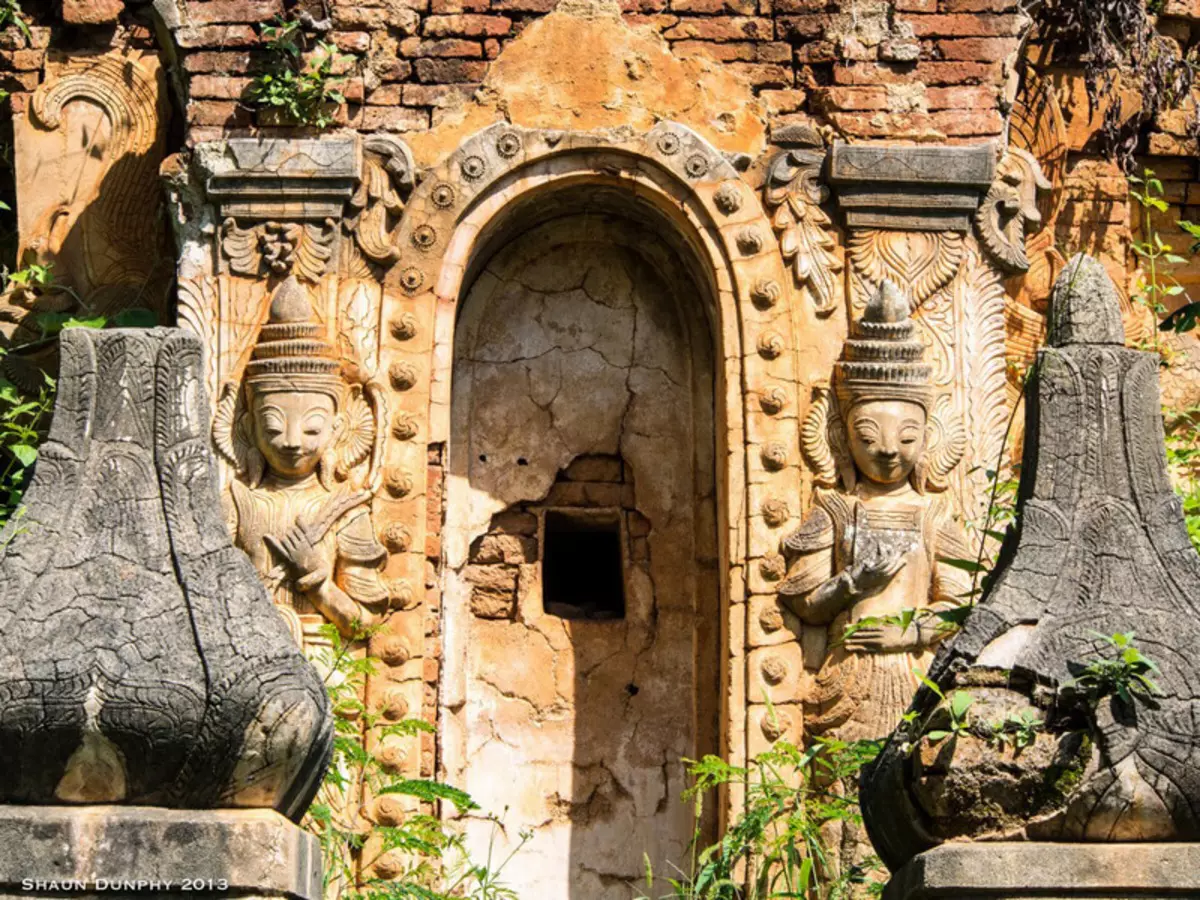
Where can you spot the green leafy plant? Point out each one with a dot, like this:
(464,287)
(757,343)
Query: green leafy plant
(1156,256)
(297,80)
(435,864)
(23,420)
(25,412)
(776,847)
(1018,731)
(1183,464)
(1125,674)
(12,14)
(958,706)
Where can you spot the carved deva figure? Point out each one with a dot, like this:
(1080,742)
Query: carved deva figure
(299,436)
(871,546)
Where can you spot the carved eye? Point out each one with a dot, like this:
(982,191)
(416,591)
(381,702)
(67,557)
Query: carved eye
(273,424)
(314,423)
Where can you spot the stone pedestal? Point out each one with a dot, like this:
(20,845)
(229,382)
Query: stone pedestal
(123,851)
(1005,871)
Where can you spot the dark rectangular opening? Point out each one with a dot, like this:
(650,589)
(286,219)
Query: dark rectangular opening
(582,576)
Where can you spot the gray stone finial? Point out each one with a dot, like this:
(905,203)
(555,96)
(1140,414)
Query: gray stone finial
(1100,549)
(1085,307)
(141,661)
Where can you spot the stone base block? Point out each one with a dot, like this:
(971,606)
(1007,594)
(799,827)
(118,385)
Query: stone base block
(1005,871)
(123,851)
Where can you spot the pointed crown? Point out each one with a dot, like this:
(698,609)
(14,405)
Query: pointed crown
(883,359)
(291,354)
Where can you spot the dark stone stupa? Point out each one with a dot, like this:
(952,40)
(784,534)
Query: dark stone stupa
(1100,549)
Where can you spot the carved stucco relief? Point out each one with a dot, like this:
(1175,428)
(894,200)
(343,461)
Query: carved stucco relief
(380,264)
(284,248)
(87,152)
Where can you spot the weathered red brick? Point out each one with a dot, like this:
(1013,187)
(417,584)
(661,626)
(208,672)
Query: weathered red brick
(962,98)
(386,95)
(218,112)
(210,61)
(764,75)
(23,60)
(794,6)
(217,87)
(967,122)
(816,52)
(865,97)
(216,37)
(993,6)
(975,49)
(466,25)
(658,22)
(450,47)
(715,7)
(916,6)
(932,73)
(449,71)
(391,69)
(723,28)
(629,7)
(352,41)
(491,48)
(216,12)
(91,12)
(802,27)
(452,7)
(787,100)
(533,6)
(437,95)
(966,25)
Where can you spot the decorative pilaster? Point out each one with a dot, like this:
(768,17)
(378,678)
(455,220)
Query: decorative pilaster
(284,272)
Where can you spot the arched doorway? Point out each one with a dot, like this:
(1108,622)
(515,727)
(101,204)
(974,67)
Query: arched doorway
(672,214)
(582,470)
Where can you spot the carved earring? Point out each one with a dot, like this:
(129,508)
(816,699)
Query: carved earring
(256,466)
(327,468)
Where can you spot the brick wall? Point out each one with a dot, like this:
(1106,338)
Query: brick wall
(925,70)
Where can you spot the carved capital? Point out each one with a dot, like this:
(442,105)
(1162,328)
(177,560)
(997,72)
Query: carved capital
(910,188)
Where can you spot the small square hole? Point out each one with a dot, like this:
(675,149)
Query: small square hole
(582,574)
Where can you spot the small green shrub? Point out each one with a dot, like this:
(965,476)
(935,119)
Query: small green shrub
(297,81)
(437,865)
(12,14)
(1125,674)
(776,847)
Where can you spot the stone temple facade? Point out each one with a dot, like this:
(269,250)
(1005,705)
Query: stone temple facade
(605,358)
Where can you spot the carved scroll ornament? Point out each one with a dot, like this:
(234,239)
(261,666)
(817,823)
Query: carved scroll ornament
(794,194)
(1009,212)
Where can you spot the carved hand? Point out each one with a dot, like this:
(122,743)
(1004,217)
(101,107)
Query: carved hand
(885,639)
(874,568)
(303,554)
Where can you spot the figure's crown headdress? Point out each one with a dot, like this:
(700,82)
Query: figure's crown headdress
(291,353)
(883,359)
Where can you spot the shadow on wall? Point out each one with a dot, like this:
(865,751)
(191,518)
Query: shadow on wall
(583,451)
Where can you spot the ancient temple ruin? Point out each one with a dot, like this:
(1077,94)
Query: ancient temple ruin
(613,376)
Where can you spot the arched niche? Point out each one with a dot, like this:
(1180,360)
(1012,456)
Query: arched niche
(667,203)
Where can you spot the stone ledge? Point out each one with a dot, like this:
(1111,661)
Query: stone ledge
(1004,871)
(98,850)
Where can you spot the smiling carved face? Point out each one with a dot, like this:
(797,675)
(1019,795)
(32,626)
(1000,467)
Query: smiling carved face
(887,438)
(293,429)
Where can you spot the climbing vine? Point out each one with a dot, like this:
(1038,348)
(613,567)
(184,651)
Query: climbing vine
(1120,53)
